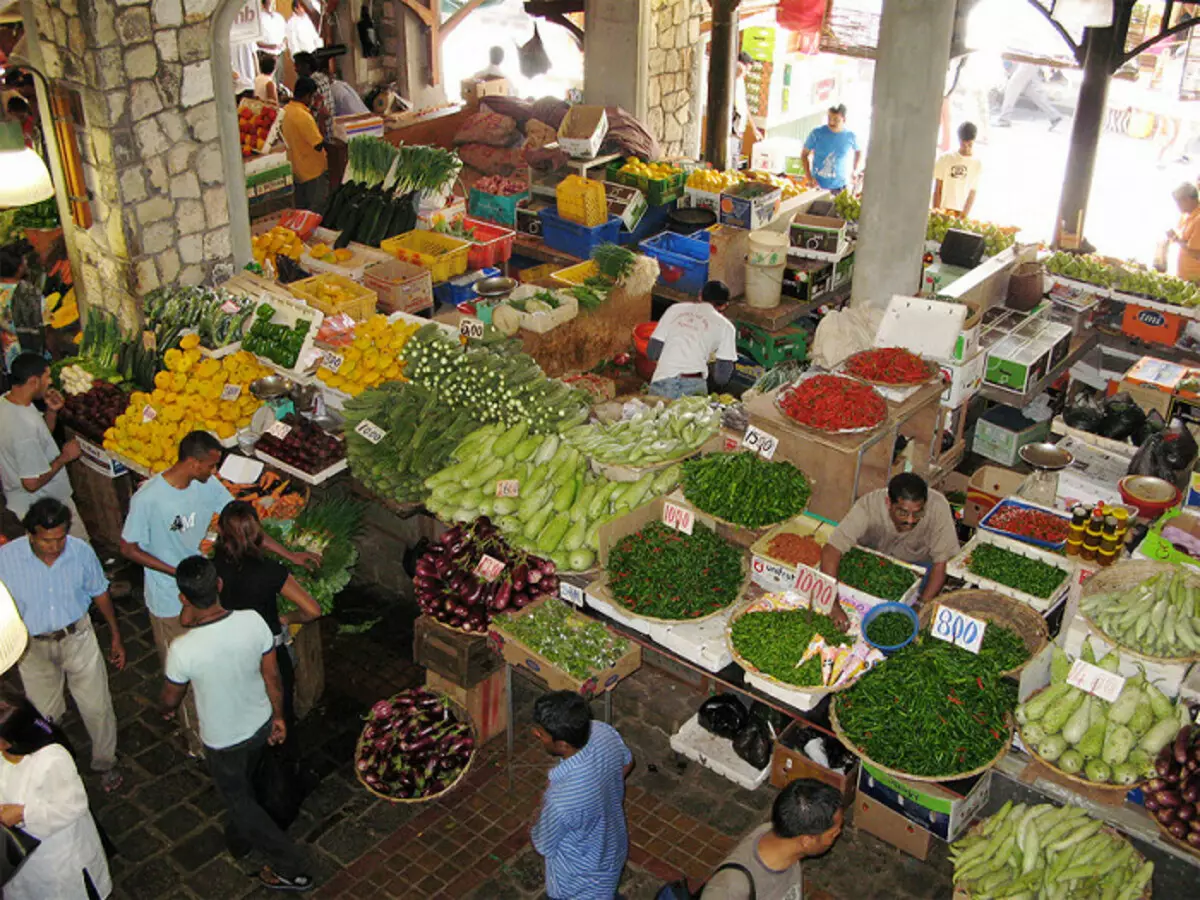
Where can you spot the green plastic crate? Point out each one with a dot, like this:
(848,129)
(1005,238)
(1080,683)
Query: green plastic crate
(769,348)
(495,208)
(658,191)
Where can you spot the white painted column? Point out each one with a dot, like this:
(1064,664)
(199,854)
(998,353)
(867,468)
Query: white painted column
(910,75)
(616,54)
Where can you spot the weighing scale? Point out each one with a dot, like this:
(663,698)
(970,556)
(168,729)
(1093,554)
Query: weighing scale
(1047,461)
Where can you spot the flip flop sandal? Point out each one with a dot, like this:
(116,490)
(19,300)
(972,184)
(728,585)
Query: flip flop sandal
(111,780)
(273,881)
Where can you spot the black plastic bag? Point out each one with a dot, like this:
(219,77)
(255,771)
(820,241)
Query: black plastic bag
(1153,425)
(754,743)
(775,720)
(533,57)
(1122,418)
(723,715)
(1167,455)
(1179,447)
(1085,415)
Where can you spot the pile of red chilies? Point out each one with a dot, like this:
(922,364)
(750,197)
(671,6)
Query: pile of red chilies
(833,403)
(888,365)
(1030,523)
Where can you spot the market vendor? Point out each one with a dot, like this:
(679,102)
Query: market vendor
(1187,233)
(687,336)
(906,520)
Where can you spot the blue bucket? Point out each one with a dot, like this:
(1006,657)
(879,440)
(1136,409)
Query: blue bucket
(879,610)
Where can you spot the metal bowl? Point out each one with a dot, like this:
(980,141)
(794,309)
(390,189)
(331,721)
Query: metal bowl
(272,387)
(496,288)
(330,422)
(1047,456)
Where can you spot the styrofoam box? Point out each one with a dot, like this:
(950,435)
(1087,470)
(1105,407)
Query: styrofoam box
(1167,677)
(702,643)
(618,615)
(797,699)
(716,753)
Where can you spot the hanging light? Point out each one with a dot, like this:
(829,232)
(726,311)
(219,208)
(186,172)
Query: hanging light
(13,636)
(26,179)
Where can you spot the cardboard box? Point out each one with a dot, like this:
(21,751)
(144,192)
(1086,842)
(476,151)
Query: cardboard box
(987,487)
(963,380)
(474,90)
(1152,383)
(943,809)
(843,270)
(875,818)
(357,125)
(1024,357)
(787,765)
(486,702)
(748,206)
(582,131)
(528,221)
(1151,322)
(626,203)
(807,279)
(1002,431)
(820,234)
(967,343)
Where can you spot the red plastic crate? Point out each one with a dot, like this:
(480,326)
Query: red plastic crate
(492,245)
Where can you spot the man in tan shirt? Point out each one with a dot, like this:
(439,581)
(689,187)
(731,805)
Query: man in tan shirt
(907,521)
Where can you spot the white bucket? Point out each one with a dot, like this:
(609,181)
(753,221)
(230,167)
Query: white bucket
(764,284)
(767,249)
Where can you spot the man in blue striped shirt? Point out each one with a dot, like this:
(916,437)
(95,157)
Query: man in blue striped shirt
(581,828)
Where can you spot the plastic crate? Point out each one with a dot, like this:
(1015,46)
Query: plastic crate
(769,348)
(461,289)
(582,201)
(1009,503)
(576,240)
(491,244)
(443,256)
(577,275)
(535,274)
(657,190)
(496,208)
(359,304)
(683,262)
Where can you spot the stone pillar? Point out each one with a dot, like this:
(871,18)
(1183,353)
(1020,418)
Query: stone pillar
(673,84)
(910,74)
(721,72)
(616,53)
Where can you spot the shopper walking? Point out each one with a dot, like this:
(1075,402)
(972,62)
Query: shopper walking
(42,794)
(54,579)
(956,174)
(228,657)
(828,152)
(742,119)
(806,820)
(580,831)
(306,147)
(1026,80)
(686,338)
(31,465)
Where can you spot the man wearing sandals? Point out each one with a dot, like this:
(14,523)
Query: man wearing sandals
(228,656)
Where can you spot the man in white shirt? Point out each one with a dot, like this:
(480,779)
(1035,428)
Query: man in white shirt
(741,110)
(302,34)
(956,174)
(686,337)
(272,30)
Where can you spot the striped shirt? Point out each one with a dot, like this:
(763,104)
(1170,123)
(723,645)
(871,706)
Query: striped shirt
(50,598)
(581,830)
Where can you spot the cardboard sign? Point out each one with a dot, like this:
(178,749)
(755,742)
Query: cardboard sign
(332,361)
(678,517)
(761,442)
(1094,680)
(231,392)
(279,430)
(229,307)
(149,413)
(471,329)
(730,445)
(369,430)
(509,487)
(819,588)
(571,593)
(488,568)
(955,627)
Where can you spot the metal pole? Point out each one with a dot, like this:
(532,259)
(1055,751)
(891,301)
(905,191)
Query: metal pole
(721,65)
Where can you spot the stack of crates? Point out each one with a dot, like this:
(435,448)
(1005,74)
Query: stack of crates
(582,201)
(770,348)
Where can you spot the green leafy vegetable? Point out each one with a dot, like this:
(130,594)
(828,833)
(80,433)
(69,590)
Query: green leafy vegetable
(580,647)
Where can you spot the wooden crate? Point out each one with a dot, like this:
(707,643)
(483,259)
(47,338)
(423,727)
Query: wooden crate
(310,668)
(486,702)
(462,659)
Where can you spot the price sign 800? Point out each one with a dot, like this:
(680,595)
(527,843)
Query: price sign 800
(958,628)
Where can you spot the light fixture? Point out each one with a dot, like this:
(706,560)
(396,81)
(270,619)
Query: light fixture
(26,179)
(13,636)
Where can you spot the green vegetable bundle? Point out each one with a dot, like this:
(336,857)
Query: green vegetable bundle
(665,574)
(1085,736)
(1160,616)
(328,528)
(872,574)
(774,640)
(929,711)
(217,316)
(745,489)
(654,435)
(1014,570)
(580,647)
(43,214)
(1049,853)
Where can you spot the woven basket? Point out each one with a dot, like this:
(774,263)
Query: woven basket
(1094,785)
(1171,839)
(908,776)
(463,716)
(625,610)
(993,607)
(757,530)
(932,370)
(795,423)
(1120,578)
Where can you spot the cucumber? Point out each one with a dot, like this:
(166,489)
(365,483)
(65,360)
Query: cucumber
(552,535)
(533,528)
(509,440)
(565,495)
(527,447)
(575,536)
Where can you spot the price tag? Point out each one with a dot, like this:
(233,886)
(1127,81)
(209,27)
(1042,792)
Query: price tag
(730,445)
(149,341)
(229,307)
(488,568)
(761,442)
(509,487)
(149,413)
(369,430)
(471,329)
(231,392)
(332,361)
(279,430)
(819,588)
(958,628)
(678,517)
(1095,680)
(571,593)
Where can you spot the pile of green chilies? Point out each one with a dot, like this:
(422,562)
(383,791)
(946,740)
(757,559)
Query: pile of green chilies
(929,711)
(889,629)
(666,574)
(1030,576)
(773,641)
(1002,648)
(745,489)
(874,575)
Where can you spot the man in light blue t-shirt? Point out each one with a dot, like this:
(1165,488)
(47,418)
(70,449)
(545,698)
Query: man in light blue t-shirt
(828,152)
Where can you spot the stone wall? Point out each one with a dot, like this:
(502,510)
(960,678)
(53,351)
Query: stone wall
(674,79)
(149,142)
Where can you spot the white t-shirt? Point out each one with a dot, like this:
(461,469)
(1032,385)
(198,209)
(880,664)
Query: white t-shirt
(302,36)
(690,334)
(26,451)
(272,30)
(959,176)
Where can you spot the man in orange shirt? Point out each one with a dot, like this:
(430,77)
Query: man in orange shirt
(306,148)
(1187,236)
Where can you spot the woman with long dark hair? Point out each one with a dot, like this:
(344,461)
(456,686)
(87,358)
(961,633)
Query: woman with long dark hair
(41,792)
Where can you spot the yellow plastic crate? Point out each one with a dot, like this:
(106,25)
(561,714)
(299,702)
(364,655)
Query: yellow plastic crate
(443,256)
(537,273)
(582,200)
(577,274)
(358,303)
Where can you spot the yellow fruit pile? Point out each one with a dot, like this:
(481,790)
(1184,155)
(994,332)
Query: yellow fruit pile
(653,171)
(278,240)
(325,253)
(186,397)
(372,358)
(790,188)
(713,181)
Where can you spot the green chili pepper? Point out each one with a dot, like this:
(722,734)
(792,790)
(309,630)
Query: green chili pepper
(745,489)
(874,575)
(1030,576)
(889,629)
(774,641)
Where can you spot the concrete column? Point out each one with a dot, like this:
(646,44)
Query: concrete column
(910,74)
(616,52)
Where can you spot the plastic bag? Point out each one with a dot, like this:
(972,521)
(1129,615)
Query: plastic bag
(1167,455)
(1122,418)
(723,715)
(844,332)
(775,720)
(1153,425)
(754,743)
(533,57)
(1085,415)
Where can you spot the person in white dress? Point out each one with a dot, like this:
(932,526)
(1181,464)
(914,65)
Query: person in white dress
(40,791)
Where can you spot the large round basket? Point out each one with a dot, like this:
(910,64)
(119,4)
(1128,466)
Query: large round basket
(779,395)
(758,530)
(1094,785)
(462,716)
(994,607)
(746,599)
(1171,839)
(625,610)
(1122,577)
(954,776)
(626,473)
(932,370)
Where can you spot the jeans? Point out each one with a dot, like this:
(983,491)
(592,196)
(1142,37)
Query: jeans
(232,771)
(679,386)
(313,194)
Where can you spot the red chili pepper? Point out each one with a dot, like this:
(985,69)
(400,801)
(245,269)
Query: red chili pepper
(1031,523)
(954,699)
(834,403)
(979,681)
(889,365)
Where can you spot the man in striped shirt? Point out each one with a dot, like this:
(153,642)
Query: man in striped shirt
(580,831)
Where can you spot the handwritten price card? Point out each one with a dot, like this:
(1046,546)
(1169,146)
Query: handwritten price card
(678,517)
(761,442)
(571,593)
(958,628)
(471,329)
(488,568)
(509,487)
(1095,680)
(279,430)
(231,392)
(819,588)
(370,431)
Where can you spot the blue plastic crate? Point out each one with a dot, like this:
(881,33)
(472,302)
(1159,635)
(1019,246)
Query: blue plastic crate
(577,240)
(654,221)
(461,288)
(683,262)
(1008,502)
